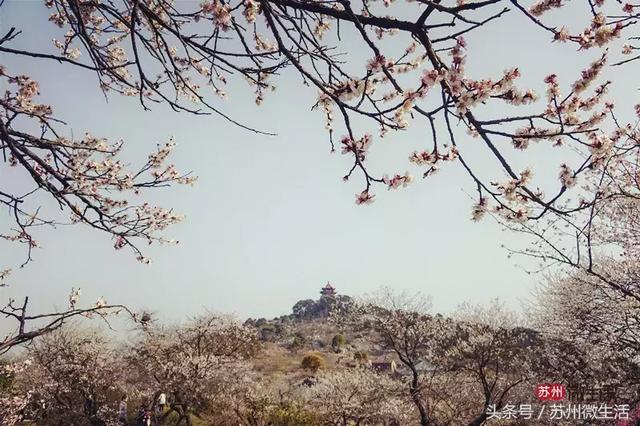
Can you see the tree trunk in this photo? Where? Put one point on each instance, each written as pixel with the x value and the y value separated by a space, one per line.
pixel 478 420
pixel 415 396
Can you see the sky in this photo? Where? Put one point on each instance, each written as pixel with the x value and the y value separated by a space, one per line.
pixel 270 220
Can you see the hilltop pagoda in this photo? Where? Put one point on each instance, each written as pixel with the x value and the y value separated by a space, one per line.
pixel 328 290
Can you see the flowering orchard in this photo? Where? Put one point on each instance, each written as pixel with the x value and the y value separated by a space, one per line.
pixel 212 368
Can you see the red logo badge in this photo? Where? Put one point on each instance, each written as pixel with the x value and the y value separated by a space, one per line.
pixel 551 392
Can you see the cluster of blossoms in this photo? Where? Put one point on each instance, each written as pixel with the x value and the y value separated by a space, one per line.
pixel 523 136
pixel 510 189
pixel 251 10
pixel 568 111
pixel 515 204
pixel 379 69
pixel 404 109
pixel 599 33
pixel 100 38
pixel 480 91
pixel 221 13
pixel 469 93
pixel 22 99
pixel 157 218
pixel 589 75
pixel 601 147
pixel 322 25
pixel 432 158
pixel 106 35
pixel 383 66
pixel 13 404
pixel 479 209
pixel 567 176
pixel 364 197
pixel 69 53
pixel 628 49
pixel 542 6
pixel 354 89
pixel 12 408
pixel 325 102
pixel 562 35
pixel 74 297
pixel 357 395
pixel 94 179
pixel 358 147
pixel 397 180
pixel 83 175
pixel 264 45
pixel 620 224
pixel 553 88
pixel 100 303
pixel 379 63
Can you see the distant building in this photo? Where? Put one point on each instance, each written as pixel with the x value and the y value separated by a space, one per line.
pixel 328 290
pixel 328 302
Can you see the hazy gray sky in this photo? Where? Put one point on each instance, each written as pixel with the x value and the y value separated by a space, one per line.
pixel 270 220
